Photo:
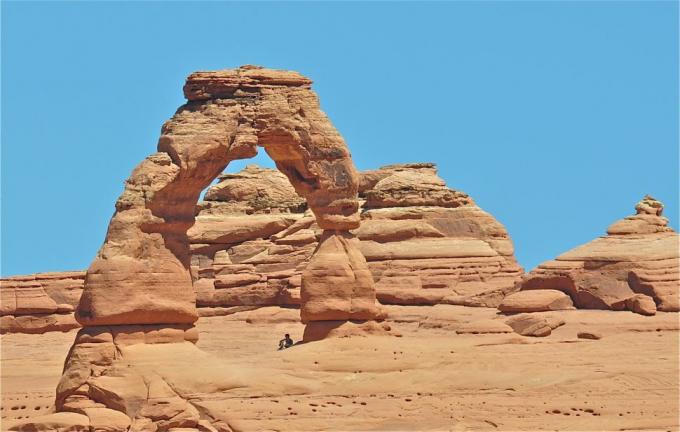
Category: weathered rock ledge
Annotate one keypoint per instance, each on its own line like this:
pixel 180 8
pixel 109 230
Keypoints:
pixel 639 257
pixel 254 235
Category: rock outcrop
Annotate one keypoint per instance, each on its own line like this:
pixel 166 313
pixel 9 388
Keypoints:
pixel 423 242
pixel 336 283
pixel 254 236
pixel 535 301
pixel 639 255
pixel 641 304
pixel 40 302
pixel 138 295
pixel 529 325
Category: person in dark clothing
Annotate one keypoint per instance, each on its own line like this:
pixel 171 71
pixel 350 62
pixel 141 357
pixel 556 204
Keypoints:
pixel 286 342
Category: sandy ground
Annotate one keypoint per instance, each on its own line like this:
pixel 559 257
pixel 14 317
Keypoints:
pixel 430 378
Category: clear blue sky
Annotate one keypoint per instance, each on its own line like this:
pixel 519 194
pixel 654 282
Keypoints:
pixel 557 117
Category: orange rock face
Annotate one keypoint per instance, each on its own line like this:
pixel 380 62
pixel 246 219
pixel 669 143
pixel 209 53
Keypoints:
pixel 535 301
pixel 423 242
pixel 254 236
pixel 640 254
pixel 141 274
pixel 336 283
pixel 138 294
pixel 39 303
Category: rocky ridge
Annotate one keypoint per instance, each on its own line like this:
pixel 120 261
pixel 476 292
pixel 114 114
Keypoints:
pixel 40 302
pixel 639 257
pixel 424 243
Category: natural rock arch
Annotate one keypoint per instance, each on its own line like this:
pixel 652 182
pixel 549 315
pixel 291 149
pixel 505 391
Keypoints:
pixel 138 291
pixel 141 274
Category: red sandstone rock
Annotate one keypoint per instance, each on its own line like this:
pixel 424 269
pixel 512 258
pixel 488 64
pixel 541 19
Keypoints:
pixel 248 80
pixel 231 113
pixel 40 302
pixel 138 292
pixel 252 190
pixel 136 385
pixel 37 324
pixel 639 254
pixel 641 304
pixel 414 188
pixel 26 298
pixel 336 283
pixel 535 301
pixel 529 325
pixel 319 330
pixel 107 420
pixel 489 326
pixel 370 178
pixel 416 254
pixel 237 229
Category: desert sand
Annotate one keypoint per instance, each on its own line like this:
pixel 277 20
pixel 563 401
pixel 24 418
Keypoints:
pixel 429 378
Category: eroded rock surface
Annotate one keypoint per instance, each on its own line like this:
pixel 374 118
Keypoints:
pixel 639 255
pixel 535 301
pixel 529 325
pixel 422 242
pixel 138 305
pixel 228 115
pixel 40 302
pixel 254 236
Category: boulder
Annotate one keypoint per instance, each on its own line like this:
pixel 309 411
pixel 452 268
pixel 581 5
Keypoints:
pixel 595 291
pixel 529 325
pixel 370 178
pixel 535 301
pixel 641 304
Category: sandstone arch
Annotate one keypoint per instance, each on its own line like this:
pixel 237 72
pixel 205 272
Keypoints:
pixel 138 289
pixel 141 273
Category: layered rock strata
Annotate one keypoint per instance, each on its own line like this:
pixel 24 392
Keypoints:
pixel 423 242
pixel 639 255
pixel 254 236
pixel 40 302
pixel 138 293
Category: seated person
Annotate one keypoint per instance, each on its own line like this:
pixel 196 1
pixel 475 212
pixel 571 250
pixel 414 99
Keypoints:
pixel 286 342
